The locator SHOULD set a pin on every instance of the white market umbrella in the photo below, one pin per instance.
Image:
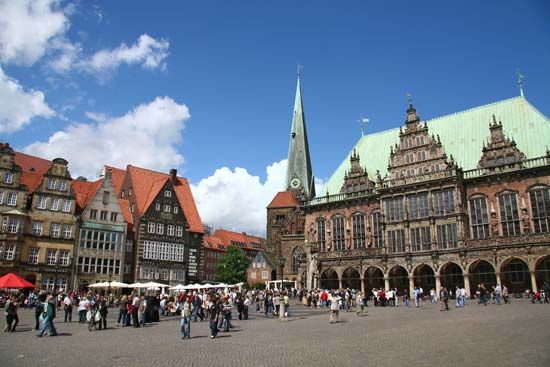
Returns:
(99, 285)
(137, 285)
(155, 285)
(208, 285)
(116, 284)
(178, 287)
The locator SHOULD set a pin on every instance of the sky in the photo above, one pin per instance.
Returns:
(207, 87)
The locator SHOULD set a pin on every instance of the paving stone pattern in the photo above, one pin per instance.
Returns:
(510, 335)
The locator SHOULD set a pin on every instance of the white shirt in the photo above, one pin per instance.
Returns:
(67, 301)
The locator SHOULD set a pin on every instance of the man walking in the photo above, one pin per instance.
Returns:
(444, 296)
(496, 293)
(213, 312)
(68, 306)
(186, 319)
(48, 315)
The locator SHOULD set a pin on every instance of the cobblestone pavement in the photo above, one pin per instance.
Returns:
(510, 335)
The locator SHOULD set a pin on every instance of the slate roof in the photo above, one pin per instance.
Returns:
(462, 135)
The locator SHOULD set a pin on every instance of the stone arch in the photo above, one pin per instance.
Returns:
(374, 278)
(424, 277)
(298, 257)
(514, 273)
(329, 279)
(351, 279)
(481, 271)
(451, 276)
(542, 271)
(399, 278)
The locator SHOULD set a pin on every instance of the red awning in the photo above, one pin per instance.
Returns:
(12, 280)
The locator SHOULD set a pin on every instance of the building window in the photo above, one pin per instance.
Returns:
(163, 251)
(33, 255)
(321, 235)
(160, 228)
(166, 208)
(106, 197)
(129, 191)
(409, 158)
(171, 230)
(179, 231)
(446, 236)
(114, 216)
(264, 275)
(377, 230)
(52, 183)
(12, 199)
(51, 257)
(175, 209)
(297, 258)
(54, 205)
(396, 241)
(394, 209)
(1, 197)
(37, 228)
(444, 202)
(157, 207)
(8, 177)
(67, 230)
(127, 268)
(540, 206)
(122, 193)
(12, 252)
(421, 239)
(64, 258)
(66, 206)
(10, 224)
(418, 206)
(163, 274)
(509, 214)
(421, 156)
(479, 218)
(93, 214)
(358, 222)
(167, 193)
(129, 246)
(103, 215)
(133, 207)
(55, 229)
(41, 203)
(253, 274)
(338, 235)
(62, 185)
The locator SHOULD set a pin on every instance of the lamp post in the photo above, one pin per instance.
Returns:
(281, 298)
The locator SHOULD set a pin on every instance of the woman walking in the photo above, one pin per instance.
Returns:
(186, 312)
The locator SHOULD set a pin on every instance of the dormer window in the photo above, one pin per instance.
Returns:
(122, 193)
(129, 191)
(52, 184)
(62, 185)
(8, 177)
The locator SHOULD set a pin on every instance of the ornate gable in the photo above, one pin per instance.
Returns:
(499, 150)
(357, 179)
(418, 156)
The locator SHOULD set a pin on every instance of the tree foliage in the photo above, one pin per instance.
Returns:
(231, 268)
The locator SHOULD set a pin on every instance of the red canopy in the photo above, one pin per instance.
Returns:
(12, 280)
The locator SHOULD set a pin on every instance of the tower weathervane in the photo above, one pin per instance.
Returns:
(300, 67)
(363, 121)
(520, 82)
(409, 99)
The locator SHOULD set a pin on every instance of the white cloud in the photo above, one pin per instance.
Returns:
(237, 200)
(27, 28)
(18, 106)
(147, 52)
(148, 136)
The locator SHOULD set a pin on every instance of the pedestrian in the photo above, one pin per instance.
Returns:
(103, 311)
(83, 307)
(122, 311)
(141, 310)
(11, 314)
(213, 313)
(226, 313)
(286, 304)
(134, 309)
(416, 296)
(68, 307)
(496, 293)
(38, 310)
(334, 308)
(186, 312)
(48, 315)
(444, 297)
(246, 305)
(505, 294)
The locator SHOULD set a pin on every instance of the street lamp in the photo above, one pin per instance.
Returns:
(281, 298)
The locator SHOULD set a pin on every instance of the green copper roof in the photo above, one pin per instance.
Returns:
(462, 135)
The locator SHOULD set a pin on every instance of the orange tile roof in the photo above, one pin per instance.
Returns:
(85, 191)
(228, 236)
(283, 199)
(29, 163)
(213, 243)
(146, 186)
(32, 180)
(117, 176)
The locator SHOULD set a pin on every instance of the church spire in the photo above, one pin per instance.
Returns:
(299, 178)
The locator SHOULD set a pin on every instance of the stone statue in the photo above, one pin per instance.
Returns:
(312, 270)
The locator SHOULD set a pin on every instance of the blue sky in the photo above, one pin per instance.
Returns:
(232, 64)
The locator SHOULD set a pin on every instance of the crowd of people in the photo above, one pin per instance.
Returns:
(217, 307)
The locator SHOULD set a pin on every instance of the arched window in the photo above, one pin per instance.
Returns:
(321, 235)
(377, 229)
(540, 206)
(479, 217)
(338, 235)
(509, 214)
(297, 259)
(358, 230)
(421, 156)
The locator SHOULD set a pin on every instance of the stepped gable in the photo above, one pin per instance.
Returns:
(500, 150)
(117, 177)
(147, 184)
(357, 178)
(283, 199)
(84, 192)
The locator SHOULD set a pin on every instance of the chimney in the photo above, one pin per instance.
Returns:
(174, 175)
(108, 173)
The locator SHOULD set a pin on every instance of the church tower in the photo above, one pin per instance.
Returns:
(299, 178)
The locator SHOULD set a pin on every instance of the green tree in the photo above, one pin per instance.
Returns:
(231, 268)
